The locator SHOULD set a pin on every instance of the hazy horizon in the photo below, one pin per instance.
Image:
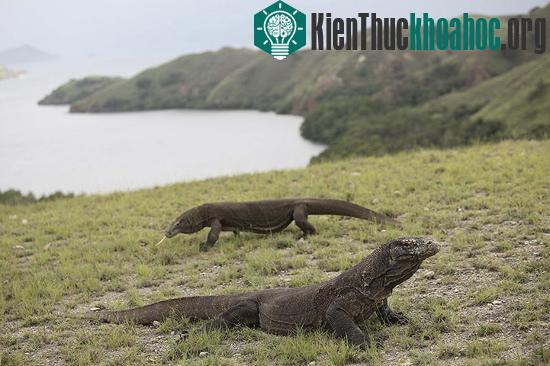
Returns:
(167, 28)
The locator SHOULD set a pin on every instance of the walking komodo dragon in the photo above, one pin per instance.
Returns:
(338, 304)
(264, 217)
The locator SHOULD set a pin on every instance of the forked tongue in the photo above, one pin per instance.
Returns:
(161, 240)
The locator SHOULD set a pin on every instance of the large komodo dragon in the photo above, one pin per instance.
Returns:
(264, 217)
(338, 304)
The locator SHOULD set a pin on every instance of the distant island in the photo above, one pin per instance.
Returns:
(6, 73)
(23, 54)
(357, 102)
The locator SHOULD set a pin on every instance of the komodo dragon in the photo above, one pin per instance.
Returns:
(338, 304)
(264, 217)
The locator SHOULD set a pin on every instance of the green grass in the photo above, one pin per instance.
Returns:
(486, 301)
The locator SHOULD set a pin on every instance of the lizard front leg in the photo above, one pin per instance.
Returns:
(344, 326)
(244, 313)
(300, 218)
(213, 235)
(389, 316)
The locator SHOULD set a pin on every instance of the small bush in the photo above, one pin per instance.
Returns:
(14, 197)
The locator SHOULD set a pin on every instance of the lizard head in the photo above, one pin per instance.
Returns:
(188, 222)
(412, 249)
(405, 257)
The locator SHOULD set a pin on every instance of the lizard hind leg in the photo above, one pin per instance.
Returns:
(300, 218)
(245, 313)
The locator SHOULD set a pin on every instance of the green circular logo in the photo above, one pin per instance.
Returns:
(280, 30)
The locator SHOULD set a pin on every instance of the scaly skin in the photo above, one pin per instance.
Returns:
(337, 304)
(265, 217)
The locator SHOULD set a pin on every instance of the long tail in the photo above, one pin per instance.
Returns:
(343, 208)
(197, 307)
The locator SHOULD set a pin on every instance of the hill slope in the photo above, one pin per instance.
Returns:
(75, 90)
(183, 82)
(515, 104)
(520, 99)
(232, 78)
(482, 300)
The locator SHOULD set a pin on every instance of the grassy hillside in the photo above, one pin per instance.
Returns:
(184, 82)
(74, 90)
(515, 104)
(520, 99)
(482, 300)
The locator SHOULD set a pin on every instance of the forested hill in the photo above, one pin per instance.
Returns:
(515, 104)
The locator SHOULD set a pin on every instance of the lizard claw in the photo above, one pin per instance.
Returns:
(203, 247)
(184, 335)
(391, 317)
(396, 317)
(364, 344)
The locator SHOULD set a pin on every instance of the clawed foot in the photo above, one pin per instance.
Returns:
(304, 236)
(204, 247)
(364, 346)
(365, 343)
(184, 335)
(394, 317)
(362, 342)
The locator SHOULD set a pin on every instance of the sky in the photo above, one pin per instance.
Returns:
(168, 28)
